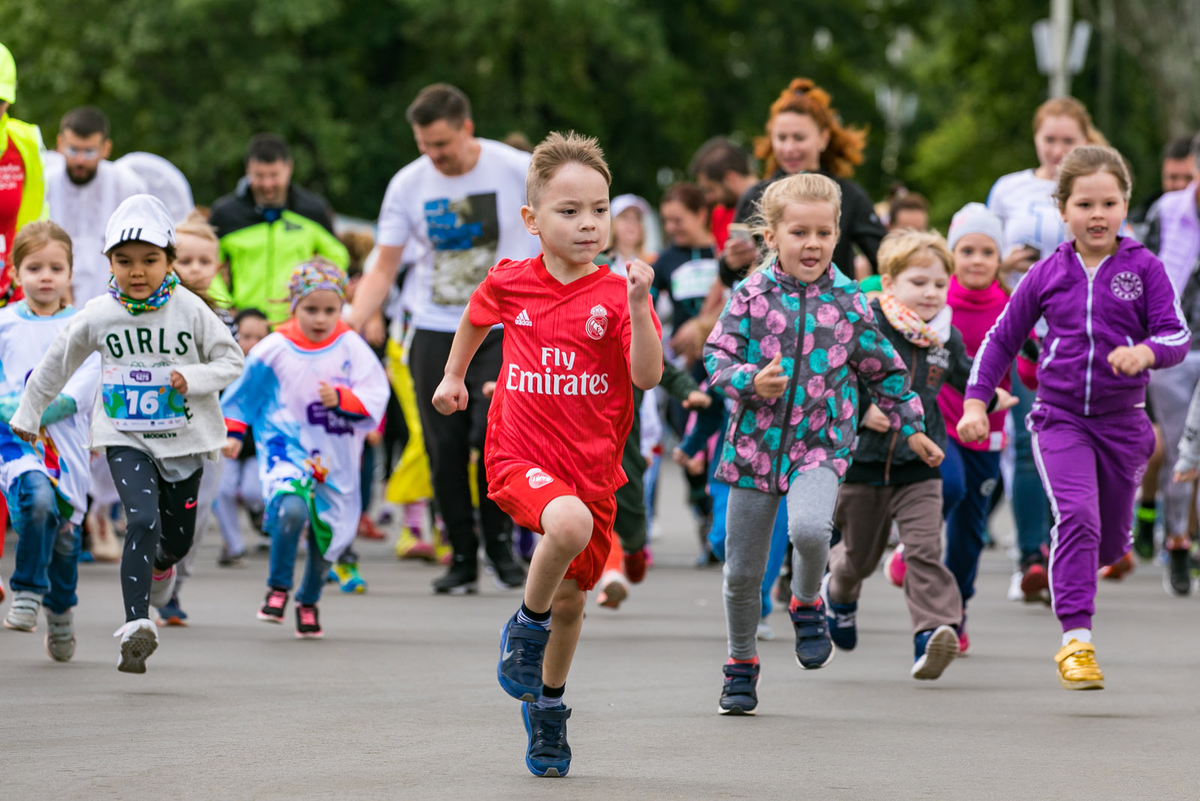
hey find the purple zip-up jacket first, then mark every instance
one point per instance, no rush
(1129, 302)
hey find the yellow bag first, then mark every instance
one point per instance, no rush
(410, 481)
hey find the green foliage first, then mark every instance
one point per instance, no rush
(192, 80)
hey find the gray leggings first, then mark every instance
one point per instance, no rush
(811, 499)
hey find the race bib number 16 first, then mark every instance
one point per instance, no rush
(141, 399)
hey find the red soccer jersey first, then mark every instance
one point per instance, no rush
(564, 397)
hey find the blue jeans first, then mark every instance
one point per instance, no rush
(779, 538)
(966, 521)
(47, 544)
(1031, 510)
(287, 519)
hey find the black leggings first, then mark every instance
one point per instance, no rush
(160, 521)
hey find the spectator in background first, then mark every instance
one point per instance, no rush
(268, 225)
(1176, 174)
(725, 172)
(83, 189)
(22, 184)
(908, 210)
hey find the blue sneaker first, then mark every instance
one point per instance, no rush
(841, 618)
(739, 695)
(814, 649)
(172, 613)
(935, 650)
(348, 578)
(520, 668)
(548, 753)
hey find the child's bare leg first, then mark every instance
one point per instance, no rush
(567, 523)
(567, 613)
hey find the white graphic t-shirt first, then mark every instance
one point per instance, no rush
(457, 228)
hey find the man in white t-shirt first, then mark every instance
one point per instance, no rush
(83, 189)
(459, 206)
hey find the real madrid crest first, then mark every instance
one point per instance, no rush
(597, 324)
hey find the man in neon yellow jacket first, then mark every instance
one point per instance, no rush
(22, 187)
(268, 226)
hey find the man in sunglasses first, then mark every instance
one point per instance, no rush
(83, 189)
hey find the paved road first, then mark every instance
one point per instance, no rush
(400, 700)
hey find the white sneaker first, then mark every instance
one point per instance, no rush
(139, 638)
(162, 588)
(60, 635)
(1015, 593)
(23, 614)
(764, 630)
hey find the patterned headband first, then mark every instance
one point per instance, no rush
(312, 276)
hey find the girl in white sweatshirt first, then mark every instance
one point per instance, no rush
(165, 356)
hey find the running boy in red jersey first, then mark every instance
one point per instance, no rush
(576, 340)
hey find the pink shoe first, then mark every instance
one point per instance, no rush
(894, 567)
(964, 640)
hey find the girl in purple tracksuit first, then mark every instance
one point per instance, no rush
(1112, 315)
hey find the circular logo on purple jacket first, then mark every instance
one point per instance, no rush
(1127, 286)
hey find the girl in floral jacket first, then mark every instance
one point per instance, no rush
(792, 429)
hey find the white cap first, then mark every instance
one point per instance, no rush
(622, 203)
(141, 218)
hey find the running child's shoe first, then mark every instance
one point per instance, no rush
(934, 651)
(894, 567)
(1035, 582)
(842, 619)
(613, 590)
(172, 614)
(410, 546)
(964, 640)
(348, 578)
(1077, 668)
(162, 587)
(764, 631)
(739, 693)
(139, 638)
(272, 609)
(308, 622)
(367, 529)
(548, 753)
(60, 635)
(635, 565)
(23, 614)
(522, 649)
(814, 649)
(507, 573)
(227, 559)
(1177, 580)
(1119, 569)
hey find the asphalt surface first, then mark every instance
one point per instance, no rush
(400, 700)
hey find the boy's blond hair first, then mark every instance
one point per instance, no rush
(555, 151)
(898, 248)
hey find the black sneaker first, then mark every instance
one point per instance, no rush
(508, 574)
(272, 609)
(308, 622)
(814, 648)
(739, 695)
(548, 753)
(460, 579)
(1178, 578)
(227, 559)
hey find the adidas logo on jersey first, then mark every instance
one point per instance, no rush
(523, 318)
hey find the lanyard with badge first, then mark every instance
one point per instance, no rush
(142, 399)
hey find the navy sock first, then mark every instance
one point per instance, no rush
(531, 618)
(552, 697)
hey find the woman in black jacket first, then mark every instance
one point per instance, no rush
(804, 135)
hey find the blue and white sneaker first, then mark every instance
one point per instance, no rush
(548, 753)
(814, 649)
(842, 619)
(935, 650)
(520, 667)
(739, 694)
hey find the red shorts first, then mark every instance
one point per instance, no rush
(524, 490)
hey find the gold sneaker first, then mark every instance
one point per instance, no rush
(1077, 668)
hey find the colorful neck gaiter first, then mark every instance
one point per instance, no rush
(153, 303)
(912, 327)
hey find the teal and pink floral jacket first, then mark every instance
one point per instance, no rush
(814, 423)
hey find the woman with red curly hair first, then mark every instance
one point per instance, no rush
(804, 134)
